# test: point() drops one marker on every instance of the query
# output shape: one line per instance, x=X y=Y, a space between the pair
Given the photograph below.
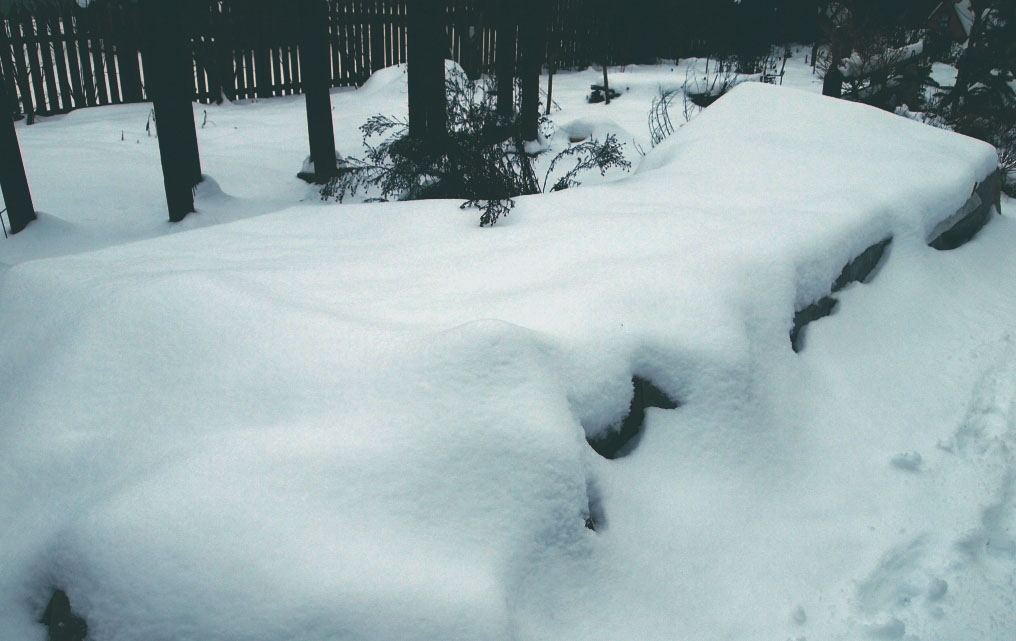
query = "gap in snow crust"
x=371 y=421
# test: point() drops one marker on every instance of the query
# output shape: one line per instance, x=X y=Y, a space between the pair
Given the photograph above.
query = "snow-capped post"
x=427 y=119
x=13 y=180
x=504 y=56
x=532 y=42
x=316 y=78
x=170 y=83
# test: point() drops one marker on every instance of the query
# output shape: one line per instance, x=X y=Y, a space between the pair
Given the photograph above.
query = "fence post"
x=169 y=75
x=316 y=80
x=504 y=56
x=426 y=71
x=13 y=180
x=532 y=42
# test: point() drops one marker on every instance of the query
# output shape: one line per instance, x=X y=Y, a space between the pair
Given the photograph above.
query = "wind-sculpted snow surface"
x=371 y=421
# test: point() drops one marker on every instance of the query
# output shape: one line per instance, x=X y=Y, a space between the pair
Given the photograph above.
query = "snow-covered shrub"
x=482 y=160
x=925 y=117
x=704 y=91
x=999 y=129
x=660 y=124
x=982 y=102
x=884 y=75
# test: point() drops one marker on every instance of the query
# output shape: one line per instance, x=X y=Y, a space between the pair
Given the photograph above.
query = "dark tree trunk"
x=606 y=86
x=967 y=65
x=13 y=180
x=427 y=119
x=170 y=79
x=550 y=89
x=832 y=84
x=839 y=48
x=437 y=118
x=316 y=79
x=532 y=40
x=127 y=48
x=505 y=56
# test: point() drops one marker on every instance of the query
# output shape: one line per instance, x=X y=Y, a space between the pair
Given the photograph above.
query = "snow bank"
x=369 y=421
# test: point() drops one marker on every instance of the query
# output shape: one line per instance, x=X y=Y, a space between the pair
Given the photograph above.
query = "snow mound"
x=370 y=421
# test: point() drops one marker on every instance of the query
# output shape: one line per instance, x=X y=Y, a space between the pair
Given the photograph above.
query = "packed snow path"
x=370 y=421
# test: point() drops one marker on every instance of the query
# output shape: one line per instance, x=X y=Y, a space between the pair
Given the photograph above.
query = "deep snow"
x=368 y=421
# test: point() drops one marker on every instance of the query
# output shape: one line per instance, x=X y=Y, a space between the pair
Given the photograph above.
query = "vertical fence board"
x=247 y=37
x=59 y=56
x=31 y=50
x=74 y=67
x=84 y=57
x=93 y=27
x=47 y=60
x=109 y=47
x=13 y=77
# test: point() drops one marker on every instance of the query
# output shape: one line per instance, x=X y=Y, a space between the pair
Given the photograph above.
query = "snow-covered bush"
x=924 y=117
x=482 y=160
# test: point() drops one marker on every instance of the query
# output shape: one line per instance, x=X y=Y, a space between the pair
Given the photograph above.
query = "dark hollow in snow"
x=953 y=232
x=961 y=227
x=819 y=309
x=856 y=271
x=60 y=621
x=596 y=518
x=621 y=440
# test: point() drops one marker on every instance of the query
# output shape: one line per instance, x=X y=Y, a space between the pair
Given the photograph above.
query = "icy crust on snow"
x=367 y=421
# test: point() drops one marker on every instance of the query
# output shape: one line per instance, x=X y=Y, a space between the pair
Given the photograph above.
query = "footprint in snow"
x=910 y=461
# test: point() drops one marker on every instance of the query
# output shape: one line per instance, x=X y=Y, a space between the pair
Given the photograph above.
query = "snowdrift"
x=371 y=421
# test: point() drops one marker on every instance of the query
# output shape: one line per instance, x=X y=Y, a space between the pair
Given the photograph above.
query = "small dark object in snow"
x=703 y=99
x=60 y=620
x=619 y=442
x=598 y=96
x=821 y=308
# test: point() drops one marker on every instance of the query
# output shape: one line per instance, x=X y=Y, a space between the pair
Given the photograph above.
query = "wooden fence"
x=60 y=56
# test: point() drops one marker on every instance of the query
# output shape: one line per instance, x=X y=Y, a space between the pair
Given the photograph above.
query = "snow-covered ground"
x=369 y=421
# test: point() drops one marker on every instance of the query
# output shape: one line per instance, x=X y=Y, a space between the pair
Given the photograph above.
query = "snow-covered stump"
x=170 y=82
x=61 y=622
x=316 y=84
x=13 y=180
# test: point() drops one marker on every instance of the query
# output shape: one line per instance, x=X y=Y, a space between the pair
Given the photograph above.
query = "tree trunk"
x=427 y=120
x=966 y=66
x=532 y=40
x=504 y=57
x=13 y=180
x=550 y=89
x=316 y=79
x=606 y=87
x=169 y=73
